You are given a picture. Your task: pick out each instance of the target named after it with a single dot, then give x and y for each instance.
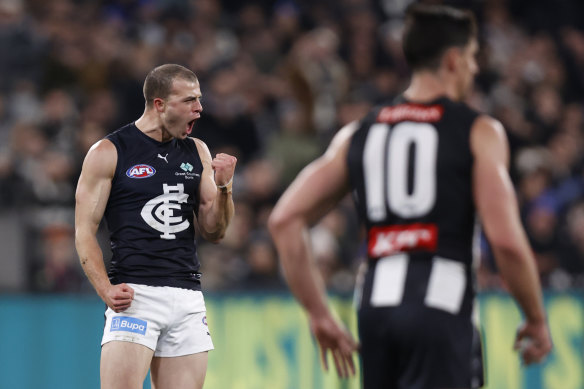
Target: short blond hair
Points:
(158, 83)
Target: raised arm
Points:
(316, 190)
(215, 201)
(497, 206)
(92, 194)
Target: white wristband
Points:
(227, 187)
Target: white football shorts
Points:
(171, 321)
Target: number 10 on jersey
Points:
(386, 160)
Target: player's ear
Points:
(159, 104)
(451, 58)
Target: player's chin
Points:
(183, 133)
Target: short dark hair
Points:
(158, 83)
(432, 29)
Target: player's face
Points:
(182, 108)
(468, 68)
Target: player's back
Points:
(411, 173)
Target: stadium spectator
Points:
(70, 65)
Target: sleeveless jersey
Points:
(150, 210)
(410, 168)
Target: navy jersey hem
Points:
(172, 282)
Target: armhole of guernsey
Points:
(195, 151)
(119, 162)
(354, 160)
(349, 158)
(472, 118)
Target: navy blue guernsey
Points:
(410, 168)
(150, 212)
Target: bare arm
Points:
(316, 190)
(215, 202)
(499, 213)
(92, 194)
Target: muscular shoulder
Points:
(486, 127)
(101, 159)
(488, 137)
(203, 150)
(341, 140)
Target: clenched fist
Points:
(119, 297)
(224, 167)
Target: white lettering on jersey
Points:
(159, 212)
(385, 170)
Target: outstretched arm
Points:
(215, 202)
(497, 206)
(316, 190)
(92, 194)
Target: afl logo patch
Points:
(140, 171)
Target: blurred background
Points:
(278, 78)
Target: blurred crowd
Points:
(279, 78)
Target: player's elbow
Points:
(83, 234)
(507, 246)
(277, 221)
(283, 224)
(213, 237)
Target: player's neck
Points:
(150, 125)
(427, 86)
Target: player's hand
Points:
(334, 337)
(533, 342)
(119, 297)
(224, 167)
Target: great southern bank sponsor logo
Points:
(188, 171)
(187, 167)
(140, 171)
(129, 324)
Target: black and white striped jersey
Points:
(410, 168)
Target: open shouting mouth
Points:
(190, 126)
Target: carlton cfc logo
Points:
(141, 171)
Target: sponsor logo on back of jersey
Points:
(390, 240)
(140, 171)
(410, 112)
(129, 324)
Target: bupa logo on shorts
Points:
(129, 324)
(141, 171)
